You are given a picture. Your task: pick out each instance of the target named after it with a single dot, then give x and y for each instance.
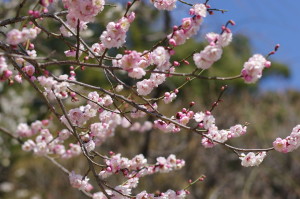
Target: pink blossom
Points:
(199, 10)
(160, 57)
(90, 145)
(99, 195)
(164, 4)
(14, 37)
(144, 87)
(290, 143)
(28, 145)
(98, 49)
(136, 73)
(115, 33)
(252, 159)
(237, 130)
(23, 130)
(169, 97)
(29, 70)
(253, 68)
(77, 181)
(201, 62)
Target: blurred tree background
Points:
(270, 114)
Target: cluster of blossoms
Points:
(138, 166)
(120, 191)
(31, 53)
(79, 182)
(29, 70)
(27, 67)
(213, 51)
(182, 117)
(115, 33)
(207, 121)
(189, 26)
(54, 88)
(253, 68)
(161, 58)
(100, 131)
(15, 37)
(79, 116)
(82, 11)
(169, 194)
(44, 142)
(126, 189)
(133, 62)
(98, 50)
(289, 143)
(252, 159)
(166, 126)
(145, 86)
(5, 73)
(169, 97)
(164, 4)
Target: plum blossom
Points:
(5, 73)
(189, 27)
(169, 97)
(118, 163)
(77, 181)
(145, 87)
(83, 11)
(164, 4)
(54, 88)
(216, 39)
(90, 145)
(98, 49)
(160, 57)
(15, 36)
(290, 143)
(115, 33)
(252, 159)
(253, 68)
(199, 10)
(208, 56)
(237, 130)
(206, 119)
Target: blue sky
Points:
(266, 23)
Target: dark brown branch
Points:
(24, 18)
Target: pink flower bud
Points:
(267, 64)
(200, 125)
(7, 74)
(172, 42)
(172, 52)
(131, 17)
(167, 94)
(176, 63)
